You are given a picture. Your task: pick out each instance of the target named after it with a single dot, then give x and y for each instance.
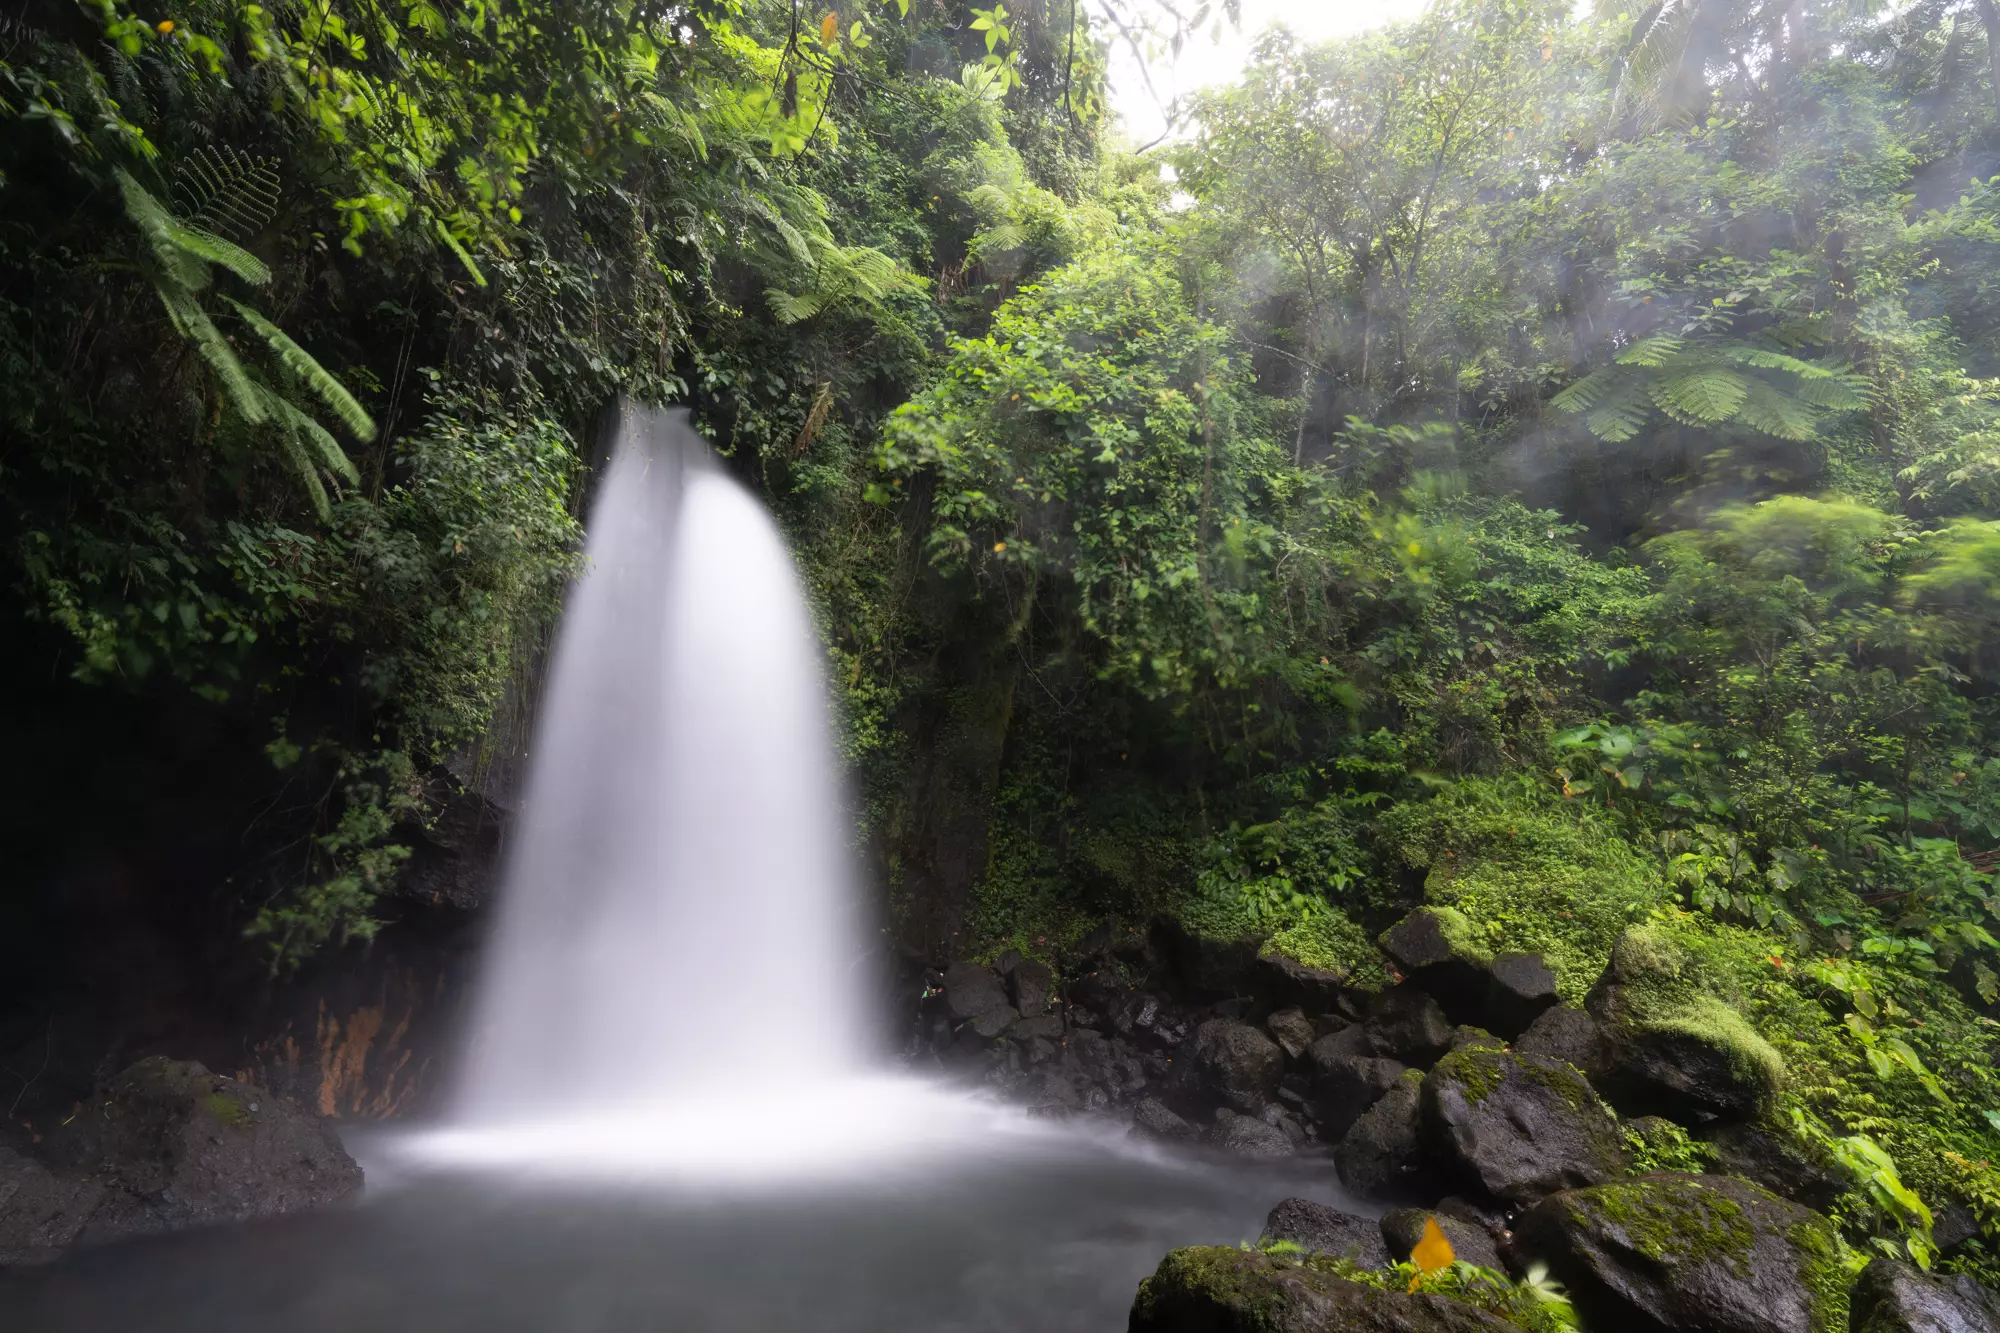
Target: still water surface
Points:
(1045, 1234)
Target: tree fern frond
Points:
(1617, 421)
(323, 444)
(302, 468)
(212, 248)
(1765, 409)
(788, 308)
(1655, 351)
(195, 325)
(157, 225)
(1836, 392)
(227, 192)
(1585, 393)
(311, 373)
(1701, 395)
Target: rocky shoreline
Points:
(1534, 1134)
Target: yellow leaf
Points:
(1433, 1251)
(829, 28)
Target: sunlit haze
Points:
(1203, 63)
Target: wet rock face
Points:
(1218, 1290)
(167, 1145)
(1671, 1251)
(1319, 1229)
(1402, 1228)
(1236, 1063)
(1893, 1297)
(1347, 1078)
(1518, 1127)
(1248, 1136)
(1779, 1163)
(1569, 1035)
(1405, 1023)
(1382, 1154)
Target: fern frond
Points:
(226, 192)
(195, 325)
(323, 444)
(1774, 413)
(302, 467)
(1617, 421)
(157, 225)
(301, 364)
(1701, 395)
(1838, 391)
(1585, 393)
(212, 248)
(1651, 351)
(788, 308)
(452, 244)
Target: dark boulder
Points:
(1151, 1119)
(1464, 1038)
(40, 1213)
(1894, 1297)
(1029, 986)
(1382, 1154)
(1779, 1161)
(1676, 1049)
(1407, 1024)
(1318, 1229)
(1207, 967)
(1292, 1030)
(1217, 1289)
(166, 1145)
(1346, 1082)
(1048, 1027)
(1249, 1136)
(1288, 982)
(1671, 1252)
(1436, 950)
(1520, 989)
(1518, 1127)
(973, 992)
(1234, 1063)
(1402, 1228)
(1569, 1035)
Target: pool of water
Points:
(1030, 1232)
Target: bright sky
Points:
(1203, 63)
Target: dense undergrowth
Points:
(1537, 465)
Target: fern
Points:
(193, 323)
(310, 373)
(226, 192)
(1701, 395)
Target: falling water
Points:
(674, 981)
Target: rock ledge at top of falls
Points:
(163, 1146)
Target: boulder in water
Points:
(1318, 1229)
(1205, 1289)
(1152, 1119)
(1249, 1136)
(166, 1145)
(973, 992)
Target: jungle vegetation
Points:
(1540, 461)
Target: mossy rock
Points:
(1212, 1289)
(1517, 1127)
(1673, 1251)
(1677, 1047)
(1437, 949)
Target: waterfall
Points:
(673, 987)
(677, 913)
